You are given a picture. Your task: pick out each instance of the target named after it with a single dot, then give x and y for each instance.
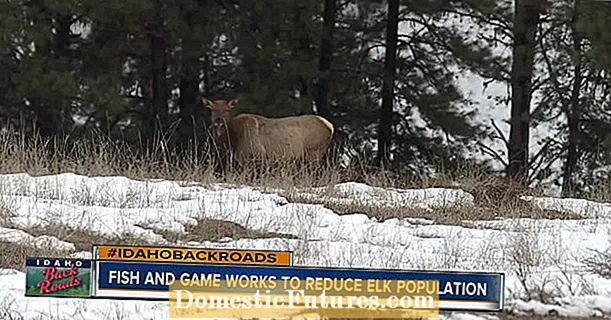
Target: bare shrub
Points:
(599, 262)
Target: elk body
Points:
(252, 138)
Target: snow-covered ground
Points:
(550, 253)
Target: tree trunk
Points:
(303, 53)
(388, 95)
(326, 55)
(60, 114)
(247, 47)
(526, 20)
(573, 113)
(158, 76)
(189, 85)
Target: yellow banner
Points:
(278, 299)
(195, 255)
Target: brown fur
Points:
(253, 138)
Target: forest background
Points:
(418, 87)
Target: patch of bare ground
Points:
(204, 230)
(5, 216)
(448, 215)
(493, 199)
(501, 198)
(82, 239)
(15, 254)
(215, 230)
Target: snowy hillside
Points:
(60, 211)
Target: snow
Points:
(551, 252)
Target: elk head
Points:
(220, 117)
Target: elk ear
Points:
(207, 103)
(233, 103)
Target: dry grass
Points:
(493, 199)
(82, 239)
(450, 215)
(99, 156)
(15, 254)
(600, 192)
(205, 230)
(214, 230)
(5, 216)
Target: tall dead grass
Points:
(98, 155)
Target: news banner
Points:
(231, 283)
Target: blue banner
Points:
(457, 288)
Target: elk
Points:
(252, 138)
